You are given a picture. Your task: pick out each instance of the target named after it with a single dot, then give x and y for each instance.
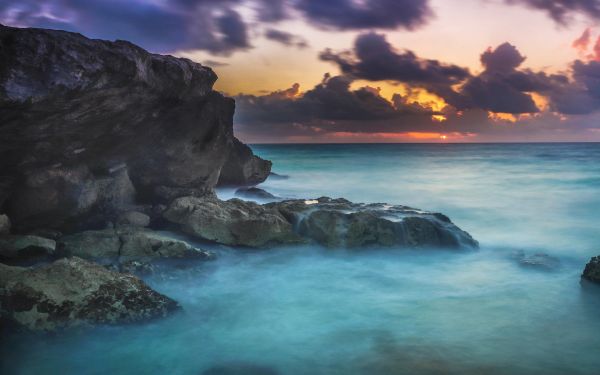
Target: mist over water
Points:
(308, 310)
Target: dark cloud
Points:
(286, 38)
(272, 10)
(331, 100)
(374, 59)
(501, 87)
(367, 14)
(563, 10)
(582, 94)
(210, 25)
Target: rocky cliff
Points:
(91, 127)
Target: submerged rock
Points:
(123, 244)
(254, 193)
(592, 270)
(329, 222)
(73, 292)
(25, 249)
(233, 222)
(537, 260)
(70, 107)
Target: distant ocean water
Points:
(308, 310)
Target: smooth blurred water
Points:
(308, 310)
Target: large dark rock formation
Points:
(73, 292)
(329, 222)
(94, 126)
(592, 270)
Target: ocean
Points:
(310, 310)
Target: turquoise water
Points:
(308, 310)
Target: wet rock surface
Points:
(73, 292)
(592, 270)
(329, 222)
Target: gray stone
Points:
(341, 223)
(133, 218)
(74, 293)
(592, 270)
(17, 248)
(233, 222)
(125, 244)
(329, 222)
(242, 167)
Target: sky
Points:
(370, 70)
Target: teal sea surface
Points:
(309, 310)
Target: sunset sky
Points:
(370, 70)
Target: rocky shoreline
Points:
(102, 144)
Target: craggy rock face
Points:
(234, 222)
(85, 120)
(329, 222)
(72, 292)
(243, 168)
(592, 270)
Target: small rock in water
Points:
(537, 260)
(254, 193)
(592, 270)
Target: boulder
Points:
(123, 244)
(592, 270)
(133, 218)
(66, 147)
(25, 249)
(341, 223)
(4, 225)
(329, 222)
(243, 168)
(233, 222)
(254, 193)
(73, 293)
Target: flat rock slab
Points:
(326, 221)
(73, 292)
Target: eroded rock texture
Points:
(73, 292)
(90, 126)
